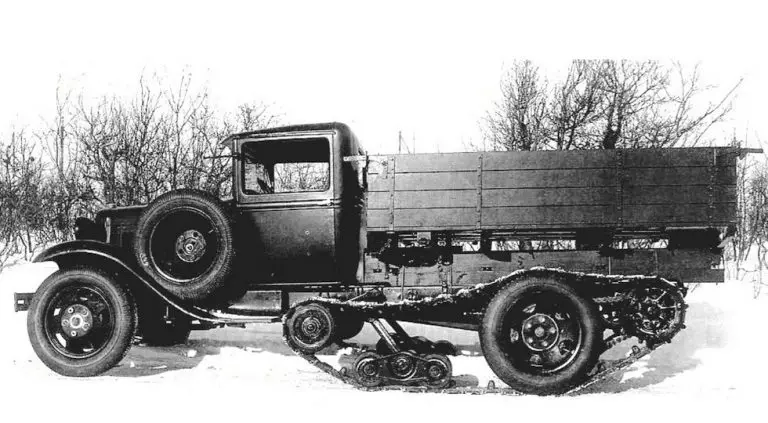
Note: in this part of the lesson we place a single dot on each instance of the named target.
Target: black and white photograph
(392, 211)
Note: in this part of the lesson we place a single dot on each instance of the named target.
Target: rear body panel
(621, 190)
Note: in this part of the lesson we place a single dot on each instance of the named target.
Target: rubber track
(478, 292)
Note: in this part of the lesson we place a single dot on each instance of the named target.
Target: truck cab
(299, 205)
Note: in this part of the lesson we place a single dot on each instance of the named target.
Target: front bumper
(21, 300)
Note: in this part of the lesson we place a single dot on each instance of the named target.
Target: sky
(428, 69)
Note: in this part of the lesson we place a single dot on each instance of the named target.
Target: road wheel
(540, 336)
(184, 241)
(81, 322)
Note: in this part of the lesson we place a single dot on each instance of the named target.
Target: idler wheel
(311, 328)
(438, 371)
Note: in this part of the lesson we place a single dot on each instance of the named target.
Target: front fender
(91, 253)
(62, 253)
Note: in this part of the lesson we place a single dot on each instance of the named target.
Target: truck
(553, 257)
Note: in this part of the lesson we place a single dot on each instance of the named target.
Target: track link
(642, 326)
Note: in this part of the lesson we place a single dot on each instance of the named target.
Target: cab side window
(286, 166)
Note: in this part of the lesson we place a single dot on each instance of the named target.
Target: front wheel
(81, 322)
(540, 336)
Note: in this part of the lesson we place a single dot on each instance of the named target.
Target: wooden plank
(438, 162)
(448, 218)
(667, 157)
(670, 214)
(685, 176)
(690, 194)
(435, 199)
(435, 181)
(569, 216)
(379, 184)
(522, 160)
(556, 178)
(548, 197)
(377, 219)
(378, 200)
(681, 157)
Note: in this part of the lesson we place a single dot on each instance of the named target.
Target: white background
(428, 69)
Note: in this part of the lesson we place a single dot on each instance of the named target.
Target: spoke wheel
(81, 322)
(658, 312)
(540, 336)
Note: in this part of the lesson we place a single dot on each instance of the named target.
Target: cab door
(286, 209)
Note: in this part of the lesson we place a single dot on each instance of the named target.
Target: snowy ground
(712, 370)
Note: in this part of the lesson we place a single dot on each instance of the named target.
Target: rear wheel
(81, 322)
(540, 336)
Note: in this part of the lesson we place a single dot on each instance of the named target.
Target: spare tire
(184, 242)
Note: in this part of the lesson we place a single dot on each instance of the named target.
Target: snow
(711, 370)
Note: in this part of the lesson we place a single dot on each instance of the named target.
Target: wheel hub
(311, 327)
(540, 332)
(77, 320)
(369, 368)
(402, 366)
(436, 371)
(190, 246)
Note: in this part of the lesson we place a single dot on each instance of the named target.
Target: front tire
(540, 336)
(81, 322)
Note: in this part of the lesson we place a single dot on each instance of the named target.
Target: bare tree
(603, 104)
(575, 106)
(516, 122)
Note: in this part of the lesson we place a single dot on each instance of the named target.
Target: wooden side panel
(549, 179)
(675, 214)
(555, 189)
(678, 176)
(435, 181)
(435, 218)
(450, 199)
(540, 198)
(668, 157)
(549, 160)
(560, 216)
(379, 200)
(697, 194)
(446, 162)
(378, 220)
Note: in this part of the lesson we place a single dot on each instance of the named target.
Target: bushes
(112, 151)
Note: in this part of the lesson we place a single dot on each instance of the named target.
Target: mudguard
(77, 252)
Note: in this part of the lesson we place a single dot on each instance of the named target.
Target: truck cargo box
(624, 190)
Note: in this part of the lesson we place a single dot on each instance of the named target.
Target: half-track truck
(552, 257)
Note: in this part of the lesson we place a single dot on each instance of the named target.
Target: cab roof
(290, 129)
